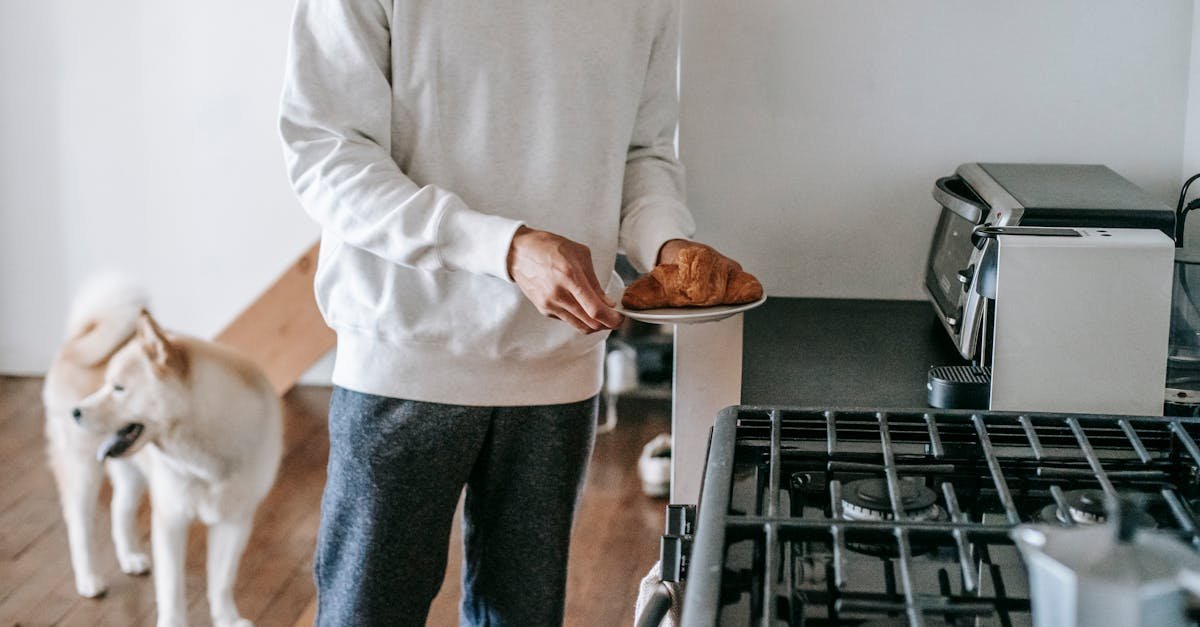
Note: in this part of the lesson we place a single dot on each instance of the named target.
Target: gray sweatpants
(396, 469)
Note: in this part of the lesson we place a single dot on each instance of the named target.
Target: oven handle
(963, 206)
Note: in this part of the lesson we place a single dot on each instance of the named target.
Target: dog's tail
(103, 316)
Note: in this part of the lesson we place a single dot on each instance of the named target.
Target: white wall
(813, 130)
(32, 266)
(140, 135)
(1191, 147)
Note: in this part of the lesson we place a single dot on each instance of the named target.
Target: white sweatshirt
(420, 134)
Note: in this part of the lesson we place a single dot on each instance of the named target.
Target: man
(475, 168)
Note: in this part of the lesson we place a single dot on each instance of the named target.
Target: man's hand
(669, 251)
(556, 275)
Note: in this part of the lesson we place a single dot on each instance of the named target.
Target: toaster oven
(1019, 194)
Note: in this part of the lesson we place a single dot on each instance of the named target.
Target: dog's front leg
(168, 538)
(78, 488)
(128, 487)
(226, 541)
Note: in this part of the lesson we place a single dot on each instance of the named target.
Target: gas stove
(869, 517)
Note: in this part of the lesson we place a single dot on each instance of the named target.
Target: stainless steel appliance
(1079, 319)
(868, 516)
(1016, 194)
(1055, 281)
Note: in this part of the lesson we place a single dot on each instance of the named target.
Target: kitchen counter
(847, 353)
(799, 352)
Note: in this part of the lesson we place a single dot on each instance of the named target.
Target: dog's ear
(165, 355)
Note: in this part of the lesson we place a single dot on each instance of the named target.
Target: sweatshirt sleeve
(335, 122)
(652, 203)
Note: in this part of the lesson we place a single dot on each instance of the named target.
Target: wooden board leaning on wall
(282, 330)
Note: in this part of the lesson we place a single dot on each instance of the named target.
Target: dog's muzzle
(120, 442)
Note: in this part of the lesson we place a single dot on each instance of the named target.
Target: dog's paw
(134, 563)
(171, 618)
(237, 622)
(90, 586)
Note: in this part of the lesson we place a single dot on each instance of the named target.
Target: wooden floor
(615, 539)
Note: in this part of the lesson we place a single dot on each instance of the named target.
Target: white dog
(199, 422)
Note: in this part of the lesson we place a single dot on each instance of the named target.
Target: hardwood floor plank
(18, 394)
(31, 575)
(290, 605)
(309, 615)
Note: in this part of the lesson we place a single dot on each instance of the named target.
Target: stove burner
(1086, 507)
(868, 499)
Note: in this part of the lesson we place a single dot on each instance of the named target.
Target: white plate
(688, 315)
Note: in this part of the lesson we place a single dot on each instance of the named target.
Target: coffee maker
(1054, 280)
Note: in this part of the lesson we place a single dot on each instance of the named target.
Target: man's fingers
(590, 276)
(600, 291)
(556, 274)
(569, 318)
(587, 292)
(605, 314)
(594, 304)
(570, 303)
(582, 294)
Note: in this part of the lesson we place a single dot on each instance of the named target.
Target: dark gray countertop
(841, 353)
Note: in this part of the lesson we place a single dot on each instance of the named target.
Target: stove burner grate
(934, 494)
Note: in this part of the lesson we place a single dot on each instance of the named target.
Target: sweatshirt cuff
(476, 242)
(645, 230)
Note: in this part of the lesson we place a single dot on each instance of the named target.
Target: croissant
(700, 277)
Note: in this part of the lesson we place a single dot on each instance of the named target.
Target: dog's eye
(118, 388)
